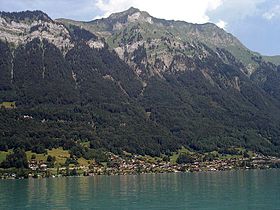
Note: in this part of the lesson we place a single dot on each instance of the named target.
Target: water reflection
(215, 190)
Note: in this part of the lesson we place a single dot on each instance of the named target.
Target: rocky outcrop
(17, 33)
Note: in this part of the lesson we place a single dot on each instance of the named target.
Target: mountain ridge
(143, 89)
(239, 46)
(26, 15)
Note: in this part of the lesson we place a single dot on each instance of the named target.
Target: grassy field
(150, 159)
(60, 155)
(241, 150)
(175, 155)
(84, 162)
(8, 105)
(39, 157)
(3, 156)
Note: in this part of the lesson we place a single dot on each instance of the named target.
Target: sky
(256, 23)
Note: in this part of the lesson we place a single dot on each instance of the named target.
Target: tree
(166, 158)
(50, 161)
(209, 157)
(78, 150)
(185, 158)
(17, 159)
(73, 172)
(246, 154)
(39, 149)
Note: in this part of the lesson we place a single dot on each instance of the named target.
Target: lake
(251, 189)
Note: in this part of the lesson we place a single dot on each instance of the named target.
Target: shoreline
(137, 164)
(115, 175)
(197, 167)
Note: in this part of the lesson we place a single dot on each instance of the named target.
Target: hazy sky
(255, 22)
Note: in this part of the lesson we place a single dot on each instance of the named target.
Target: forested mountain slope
(133, 83)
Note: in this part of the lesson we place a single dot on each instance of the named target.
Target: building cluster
(118, 165)
(137, 165)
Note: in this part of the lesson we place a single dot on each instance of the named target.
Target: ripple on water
(255, 189)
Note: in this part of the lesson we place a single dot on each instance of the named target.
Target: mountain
(134, 27)
(134, 83)
(157, 42)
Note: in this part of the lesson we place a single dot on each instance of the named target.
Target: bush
(185, 158)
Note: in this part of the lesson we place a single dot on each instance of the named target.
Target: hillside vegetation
(133, 83)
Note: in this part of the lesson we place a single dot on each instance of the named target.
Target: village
(136, 164)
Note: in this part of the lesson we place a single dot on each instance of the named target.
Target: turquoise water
(255, 189)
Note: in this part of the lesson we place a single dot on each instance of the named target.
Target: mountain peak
(132, 10)
(131, 15)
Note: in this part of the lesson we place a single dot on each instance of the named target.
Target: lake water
(254, 189)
